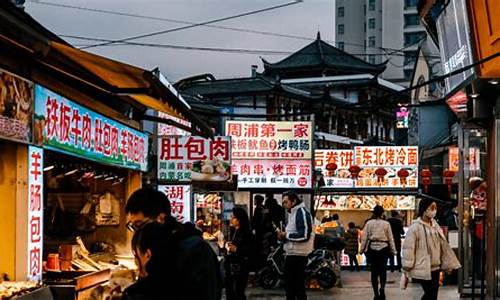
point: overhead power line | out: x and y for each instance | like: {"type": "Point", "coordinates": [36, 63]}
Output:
{"type": "Point", "coordinates": [178, 21]}
{"type": "Point", "coordinates": [196, 24]}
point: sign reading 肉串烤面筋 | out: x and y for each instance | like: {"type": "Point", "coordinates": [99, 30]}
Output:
{"type": "Point", "coordinates": [271, 154]}
{"type": "Point", "coordinates": [454, 43]}
{"type": "Point", "coordinates": [180, 201]}
{"type": "Point", "coordinates": [282, 173]}
{"type": "Point", "coordinates": [16, 108]}
{"type": "Point", "coordinates": [63, 125]}
{"type": "Point", "coordinates": [334, 165]}
{"type": "Point", "coordinates": [35, 213]}
{"type": "Point", "coordinates": [386, 167]}
{"type": "Point", "coordinates": [194, 158]}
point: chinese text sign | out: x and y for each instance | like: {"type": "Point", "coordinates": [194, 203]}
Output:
{"type": "Point", "coordinates": [68, 127]}
{"type": "Point", "coordinates": [334, 165]}
{"type": "Point", "coordinates": [187, 158]}
{"type": "Point", "coordinates": [35, 213]}
{"type": "Point", "coordinates": [273, 173]}
{"type": "Point", "coordinates": [180, 201]}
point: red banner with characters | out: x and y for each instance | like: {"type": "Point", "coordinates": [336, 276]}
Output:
{"type": "Point", "coordinates": [35, 213]}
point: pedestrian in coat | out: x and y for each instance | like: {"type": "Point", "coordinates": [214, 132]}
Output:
{"type": "Point", "coordinates": [378, 244]}
{"type": "Point", "coordinates": [397, 232]}
{"type": "Point", "coordinates": [352, 245]}
{"type": "Point", "coordinates": [239, 250]}
{"type": "Point", "coordinates": [299, 242]}
{"type": "Point", "coordinates": [426, 251]}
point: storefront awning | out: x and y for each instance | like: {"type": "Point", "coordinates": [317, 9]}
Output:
{"type": "Point", "coordinates": [139, 87]}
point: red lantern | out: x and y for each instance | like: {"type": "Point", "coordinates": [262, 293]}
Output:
{"type": "Point", "coordinates": [380, 172]}
{"type": "Point", "coordinates": [331, 168]}
{"type": "Point", "coordinates": [426, 175]}
{"type": "Point", "coordinates": [448, 179]}
{"type": "Point", "coordinates": [354, 171]}
{"type": "Point", "coordinates": [403, 174]}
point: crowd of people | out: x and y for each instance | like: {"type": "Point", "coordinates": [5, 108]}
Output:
{"type": "Point", "coordinates": [175, 259]}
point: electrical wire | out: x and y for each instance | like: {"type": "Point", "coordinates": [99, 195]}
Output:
{"type": "Point", "coordinates": [161, 32]}
{"type": "Point", "coordinates": [178, 21]}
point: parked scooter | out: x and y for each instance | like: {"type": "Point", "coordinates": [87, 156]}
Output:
{"type": "Point", "coordinates": [320, 266]}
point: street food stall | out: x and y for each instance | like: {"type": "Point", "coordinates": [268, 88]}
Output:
{"type": "Point", "coordinates": [355, 181]}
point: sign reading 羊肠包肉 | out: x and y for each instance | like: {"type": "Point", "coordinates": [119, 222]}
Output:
{"type": "Point", "coordinates": [62, 125]}
{"type": "Point", "coordinates": [35, 213]}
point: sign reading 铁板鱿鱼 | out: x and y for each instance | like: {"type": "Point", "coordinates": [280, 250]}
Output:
{"type": "Point", "coordinates": [63, 125]}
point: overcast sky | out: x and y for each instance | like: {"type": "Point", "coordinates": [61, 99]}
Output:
{"type": "Point", "coordinates": [303, 19]}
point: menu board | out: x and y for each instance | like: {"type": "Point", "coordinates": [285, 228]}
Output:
{"type": "Point", "coordinates": [364, 202]}
{"type": "Point", "coordinates": [383, 167]}
{"type": "Point", "coordinates": [340, 161]}
{"type": "Point", "coordinates": [271, 154]}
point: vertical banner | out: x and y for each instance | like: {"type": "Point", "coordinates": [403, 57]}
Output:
{"type": "Point", "coordinates": [35, 213]}
{"type": "Point", "coordinates": [180, 201]}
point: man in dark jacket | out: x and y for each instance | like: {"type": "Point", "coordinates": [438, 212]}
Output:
{"type": "Point", "coordinates": [196, 271]}
{"type": "Point", "coordinates": [397, 232]}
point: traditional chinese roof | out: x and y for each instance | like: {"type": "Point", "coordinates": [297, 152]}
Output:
{"type": "Point", "coordinates": [320, 58]}
{"type": "Point", "coordinates": [228, 87]}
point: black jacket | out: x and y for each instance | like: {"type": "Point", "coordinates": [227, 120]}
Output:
{"type": "Point", "coordinates": [397, 229]}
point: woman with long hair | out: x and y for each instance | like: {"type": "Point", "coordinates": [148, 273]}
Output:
{"type": "Point", "coordinates": [239, 249]}
{"type": "Point", "coordinates": [426, 251]}
{"type": "Point", "coordinates": [377, 244]}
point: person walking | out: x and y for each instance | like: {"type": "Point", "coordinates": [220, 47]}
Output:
{"type": "Point", "coordinates": [377, 244]}
{"type": "Point", "coordinates": [239, 250]}
{"type": "Point", "coordinates": [299, 242]}
{"type": "Point", "coordinates": [195, 264]}
{"type": "Point", "coordinates": [426, 251]}
{"type": "Point", "coordinates": [352, 245]}
{"type": "Point", "coordinates": [397, 232]}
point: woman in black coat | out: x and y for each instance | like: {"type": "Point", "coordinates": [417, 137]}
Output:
{"type": "Point", "coordinates": [239, 251]}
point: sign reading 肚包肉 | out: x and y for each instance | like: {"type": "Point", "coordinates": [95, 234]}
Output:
{"type": "Point", "coordinates": [63, 125]}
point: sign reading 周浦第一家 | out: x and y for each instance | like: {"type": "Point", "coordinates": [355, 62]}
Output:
{"type": "Point", "coordinates": [63, 125]}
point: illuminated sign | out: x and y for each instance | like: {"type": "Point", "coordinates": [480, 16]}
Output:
{"type": "Point", "coordinates": [180, 201]}
{"type": "Point", "coordinates": [364, 202]}
{"type": "Point", "coordinates": [35, 213]}
{"type": "Point", "coordinates": [334, 165]}
{"type": "Point", "coordinates": [65, 126]}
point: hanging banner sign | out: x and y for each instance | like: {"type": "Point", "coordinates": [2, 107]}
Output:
{"type": "Point", "coordinates": [16, 108]}
{"type": "Point", "coordinates": [35, 213]}
{"type": "Point", "coordinates": [180, 201]}
{"type": "Point", "coordinates": [386, 167]}
{"type": "Point", "coordinates": [474, 159]}
{"type": "Point", "coordinates": [270, 140]}
{"type": "Point", "coordinates": [273, 173]}
{"type": "Point", "coordinates": [63, 125]}
{"type": "Point", "coordinates": [183, 159]}
{"type": "Point", "coordinates": [334, 165]}
{"type": "Point", "coordinates": [364, 202]}
{"type": "Point", "coordinates": [168, 130]}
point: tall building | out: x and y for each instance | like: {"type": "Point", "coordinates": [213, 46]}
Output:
{"type": "Point", "coordinates": [381, 30]}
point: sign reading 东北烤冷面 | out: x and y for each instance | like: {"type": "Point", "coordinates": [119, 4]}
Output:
{"type": "Point", "coordinates": [63, 125]}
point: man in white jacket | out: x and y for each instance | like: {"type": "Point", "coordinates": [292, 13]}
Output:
{"type": "Point", "coordinates": [299, 242]}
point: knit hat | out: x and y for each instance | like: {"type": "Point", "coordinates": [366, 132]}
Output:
{"type": "Point", "coordinates": [423, 205]}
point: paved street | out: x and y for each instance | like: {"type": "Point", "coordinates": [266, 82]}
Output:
{"type": "Point", "coordinates": [357, 286]}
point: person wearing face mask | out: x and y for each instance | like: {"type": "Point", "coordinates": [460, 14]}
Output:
{"type": "Point", "coordinates": [426, 251]}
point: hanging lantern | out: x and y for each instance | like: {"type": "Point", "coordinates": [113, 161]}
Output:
{"type": "Point", "coordinates": [330, 169]}
{"type": "Point", "coordinates": [448, 178]}
{"type": "Point", "coordinates": [403, 175]}
{"type": "Point", "coordinates": [426, 175]}
{"type": "Point", "coordinates": [380, 172]}
{"type": "Point", "coordinates": [354, 171]}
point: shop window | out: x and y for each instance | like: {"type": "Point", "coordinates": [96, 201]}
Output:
{"type": "Point", "coordinates": [371, 5]}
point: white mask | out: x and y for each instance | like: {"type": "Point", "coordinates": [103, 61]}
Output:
{"type": "Point", "coordinates": [430, 213]}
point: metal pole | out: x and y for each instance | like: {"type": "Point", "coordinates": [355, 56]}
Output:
{"type": "Point", "coordinates": [460, 206]}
